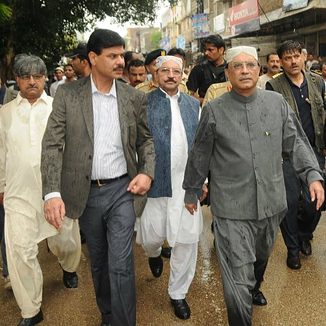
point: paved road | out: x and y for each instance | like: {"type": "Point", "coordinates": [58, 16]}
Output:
{"type": "Point", "coordinates": [294, 297]}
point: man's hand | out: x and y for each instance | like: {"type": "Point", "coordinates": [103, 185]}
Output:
{"type": "Point", "coordinates": [192, 208]}
{"type": "Point", "coordinates": [204, 193]}
{"type": "Point", "coordinates": [54, 211]}
{"type": "Point", "coordinates": [1, 198]}
{"type": "Point", "coordinates": [140, 184]}
{"type": "Point", "coordinates": [317, 192]}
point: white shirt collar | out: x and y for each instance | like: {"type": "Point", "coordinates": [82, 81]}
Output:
{"type": "Point", "coordinates": [169, 96]}
{"type": "Point", "coordinates": [44, 97]}
{"type": "Point", "coordinates": [113, 90]}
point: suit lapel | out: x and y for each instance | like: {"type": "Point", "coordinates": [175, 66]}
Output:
{"type": "Point", "coordinates": [87, 106]}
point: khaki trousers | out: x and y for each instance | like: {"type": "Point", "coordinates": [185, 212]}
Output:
{"type": "Point", "coordinates": [23, 233]}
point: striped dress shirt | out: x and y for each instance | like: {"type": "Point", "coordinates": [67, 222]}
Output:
{"type": "Point", "coordinates": [108, 160]}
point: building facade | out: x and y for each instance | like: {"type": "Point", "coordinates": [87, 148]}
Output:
{"type": "Point", "coordinates": [261, 23]}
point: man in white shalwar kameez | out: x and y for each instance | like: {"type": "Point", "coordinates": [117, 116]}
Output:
{"type": "Point", "coordinates": [22, 124]}
{"type": "Point", "coordinates": [172, 118]}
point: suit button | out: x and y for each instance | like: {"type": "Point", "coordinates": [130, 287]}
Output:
{"type": "Point", "coordinates": [90, 157]}
{"type": "Point", "coordinates": [87, 177]}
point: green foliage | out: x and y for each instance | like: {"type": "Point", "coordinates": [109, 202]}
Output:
{"type": "Point", "coordinates": [155, 39]}
{"type": "Point", "coordinates": [48, 27]}
{"type": "Point", "coordinates": [5, 12]}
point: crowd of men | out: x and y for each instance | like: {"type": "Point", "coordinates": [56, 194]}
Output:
{"type": "Point", "coordinates": [120, 137]}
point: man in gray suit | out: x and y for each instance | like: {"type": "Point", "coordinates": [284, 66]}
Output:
{"type": "Point", "coordinates": [97, 153]}
{"type": "Point", "coordinates": [240, 139]}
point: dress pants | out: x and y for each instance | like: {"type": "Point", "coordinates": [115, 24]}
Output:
{"type": "Point", "coordinates": [3, 242]}
{"type": "Point", "coordinates": [296, 226]}
{"type": "Point", "coordinates": [22, 237]}
{"type": "Point", "coordinates": [182, 264]}
{"type": "Point", "coordinates": [243, 248]}
{"type": "Point", "coordinates": [108, 224]}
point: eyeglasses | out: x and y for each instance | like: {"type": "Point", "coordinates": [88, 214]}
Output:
{"type": "Point", "coordinates": [36, 77]}
{"type": "Point", "coordinates": [166, 71]}
{"type": "Point", "coordinates": [251, 65]}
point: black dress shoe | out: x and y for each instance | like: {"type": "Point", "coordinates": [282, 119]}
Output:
{"type": "Point", "coordinates": [156, 265]}
{"type": "Point", "coordinates": [32, 321]}
{"type": "Point", "coordinates": [306, 247]}
{"type": "Point", "coordinates": [293, 262]}
{"type": "Point", "coordinates": [70, 280]}
{"type": "Point", "coordinates": [166, 252]}
{"type": "Point", "coordinates": [258, 298]}
{"type": "Point", "coordinates": [181, 308]}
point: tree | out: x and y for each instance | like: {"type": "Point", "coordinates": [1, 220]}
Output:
{"type": "Point", "coordinates": [48, 27]}
{"type": "Point", "coordinates": [5, 12]}
{"type": "Point", "coordinates": [155, 39]}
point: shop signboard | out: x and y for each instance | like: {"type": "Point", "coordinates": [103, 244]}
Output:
{"type": "Point", "coordinates": [243, 18]}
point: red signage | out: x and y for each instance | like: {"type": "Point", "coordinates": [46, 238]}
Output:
{"type": "Point", "coordinates": [243, 13]}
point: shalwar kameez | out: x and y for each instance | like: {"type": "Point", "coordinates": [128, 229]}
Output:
{"type": "Point", "coordinates": [165, 217]}
{"type": "Point", "coordinates": [22, 125]}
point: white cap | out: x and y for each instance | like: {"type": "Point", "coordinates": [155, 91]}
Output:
{"type": "Point", "coordinates": [160, 60]}
{"type": "Point", "coordinates": [233, 52]}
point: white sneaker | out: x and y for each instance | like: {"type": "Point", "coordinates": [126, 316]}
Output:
{"type": "Point", "coordinates": [7, 283]}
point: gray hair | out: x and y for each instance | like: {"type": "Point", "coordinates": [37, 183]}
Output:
{"type": "Point", "coordinates": [25, 64]}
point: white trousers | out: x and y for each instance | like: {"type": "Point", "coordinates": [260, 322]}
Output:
{"type": "Point", "coordinates": [182, 264]}
{"type": "Point", "coordinates": [22, 237]}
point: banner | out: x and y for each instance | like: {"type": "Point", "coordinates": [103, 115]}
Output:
{"type": "Point", "coordinates": [200, 25]}
{"type": "Point", "coordinates": [181, 42]}
{"type": "Point", "coordinates": [219, 23]}
{"type": "Point", "coordinates": [165, 43]}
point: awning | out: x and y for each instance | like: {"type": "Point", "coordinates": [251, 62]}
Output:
{"type": "Point", "coordinates": [279, 14]}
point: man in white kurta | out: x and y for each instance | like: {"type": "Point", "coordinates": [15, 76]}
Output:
{"type": "Point", "coordinates": [172, 118]}
{"type": "Point", "coordinates": [22, 124]}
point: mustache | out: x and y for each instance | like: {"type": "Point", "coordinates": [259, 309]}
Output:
{"type": "Point", "coordinates": [118, 67]}
{"type": "Point", "coordinates": [275, 66]}
{"type": "Point", "coordinates": [171, 80]}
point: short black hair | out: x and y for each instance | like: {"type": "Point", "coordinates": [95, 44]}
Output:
{"type": "Point", "coordinates": [289, 46]}
{"type": "Point", "coordinates": [269, 54]}
{"type": "Point", "coordinates": [179, 51]}
{"type": "Point", "coordinates": [103, 38]}
{"type": "Point", "coordinates": [135, 63]}
{"type": "Point", "coordinates": [215, 39]}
